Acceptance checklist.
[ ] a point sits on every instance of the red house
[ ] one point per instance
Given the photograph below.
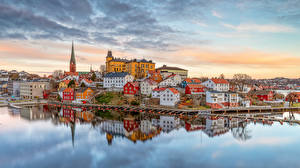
(68, 94)
(130, 124)
(194, 89)
(131, 88)
(264, 95)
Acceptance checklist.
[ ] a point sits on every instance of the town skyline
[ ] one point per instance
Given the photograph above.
(208, 43)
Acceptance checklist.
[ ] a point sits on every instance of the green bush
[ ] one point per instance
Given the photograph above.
(135, 103)
(105, 98)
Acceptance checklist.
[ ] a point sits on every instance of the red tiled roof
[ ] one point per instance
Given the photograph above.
(68, 90)
(175, 91)
(159, 89)
(88, 81)
(172, 75)
(151, 82)
(220, 81)
(195, 86)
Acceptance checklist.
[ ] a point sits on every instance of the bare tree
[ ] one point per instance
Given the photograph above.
(222, 76)
(291, 98)
(241, 80)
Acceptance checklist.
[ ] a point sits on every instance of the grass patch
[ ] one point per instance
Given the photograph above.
(104, 114)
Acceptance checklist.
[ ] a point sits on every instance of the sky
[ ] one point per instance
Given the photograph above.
(206, 37)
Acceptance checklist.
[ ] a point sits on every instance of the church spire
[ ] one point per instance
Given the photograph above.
(73, 55)
(72, 60)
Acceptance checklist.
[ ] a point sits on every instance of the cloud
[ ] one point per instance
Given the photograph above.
(216, 14)
(269, 28)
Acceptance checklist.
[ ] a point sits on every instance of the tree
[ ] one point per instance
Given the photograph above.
(241, 132)
(71, 84)
(93, 78)
(57, 73)
(241, 80)
(222, 76)
(291, 98)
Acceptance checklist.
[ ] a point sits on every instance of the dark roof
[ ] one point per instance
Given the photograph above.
(116, 74)
(109, 54)
(120, 60)
(170, 68)
(73, 55)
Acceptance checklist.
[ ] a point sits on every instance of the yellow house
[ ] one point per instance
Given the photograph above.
(84, 94)
(136, 68)
(64, 84)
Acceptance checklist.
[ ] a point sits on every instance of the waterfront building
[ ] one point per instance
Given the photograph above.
(138, 68)
(147, 86)
(217, 99)
(13, 88)
(117, 80)
(263, 95)
(68, 95)
(32, 90)
(166, 71)
(131, 88)
(157, 91)
(217, 84)
(169, 97)
(84, 94)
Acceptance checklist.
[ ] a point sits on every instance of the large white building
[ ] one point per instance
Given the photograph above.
(147, 86)
(169, 97)
(217, 84)
(32, 90)
(217, 99)
(116, 80)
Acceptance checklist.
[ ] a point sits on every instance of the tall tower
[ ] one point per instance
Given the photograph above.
(109, 57)
(72, 60)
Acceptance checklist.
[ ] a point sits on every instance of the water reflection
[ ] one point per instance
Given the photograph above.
(112, 138)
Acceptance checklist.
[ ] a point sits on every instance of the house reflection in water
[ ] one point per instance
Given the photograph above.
(129, 128)
(35, 113)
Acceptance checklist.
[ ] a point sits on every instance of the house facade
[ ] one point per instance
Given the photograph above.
(84, 94)
(194, 89)
(131, 88)
(68, 94)
(217, 84)
(147, 86)
(116, 80)
(169, 97)
(157, 91)
(217, 99)
(172, 81)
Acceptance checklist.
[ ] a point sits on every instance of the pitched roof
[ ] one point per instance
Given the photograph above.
(164, 67)
(81, 90)
(68, 90)
(192, 80)
(262, 92)
(151, 82)
(175, 91)
(116, 74)
(195, 86)
(135, 84)
(159, 89)
(220, 81)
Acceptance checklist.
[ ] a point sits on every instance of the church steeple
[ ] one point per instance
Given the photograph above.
(72, 60)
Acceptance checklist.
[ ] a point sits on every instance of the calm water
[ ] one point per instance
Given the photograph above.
(40, 137)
